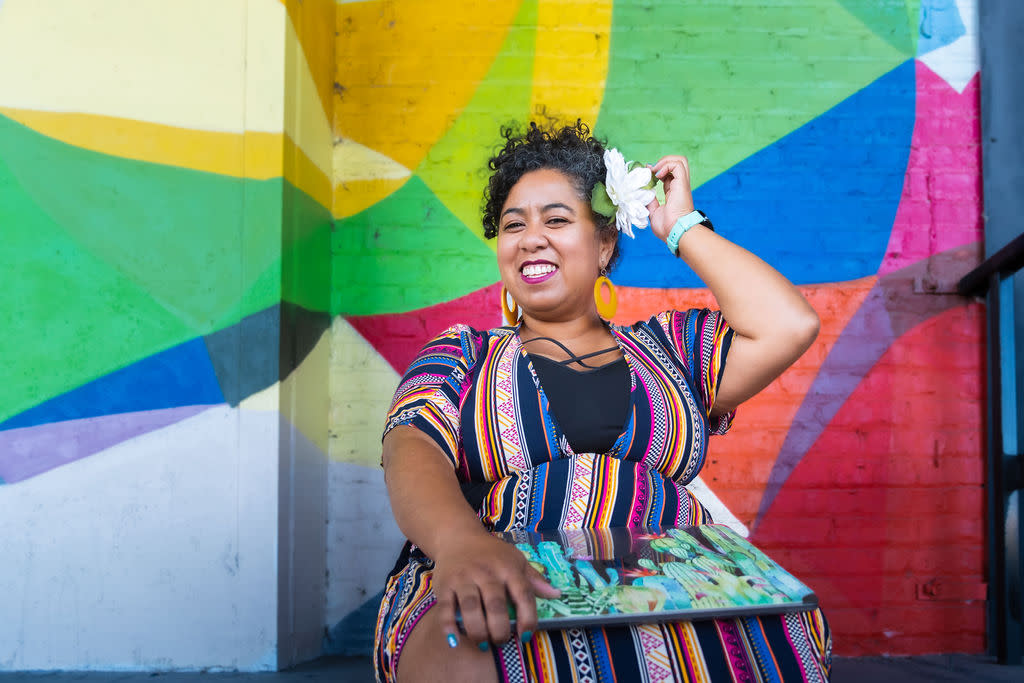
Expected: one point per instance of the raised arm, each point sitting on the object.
(472, 569)
(773, 323)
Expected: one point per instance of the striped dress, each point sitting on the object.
(477, 395)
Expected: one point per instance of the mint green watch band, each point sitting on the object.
(683, 224)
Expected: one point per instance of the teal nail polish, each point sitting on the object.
(452, 640)
(525, 636)
(483, 646)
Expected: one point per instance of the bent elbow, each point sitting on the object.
(808, 328)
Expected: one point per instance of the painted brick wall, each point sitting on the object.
(839, 140)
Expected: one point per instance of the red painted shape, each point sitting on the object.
(889, 500)
(941, 203)
(399, 337)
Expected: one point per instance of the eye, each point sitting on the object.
(557, 220)
(511, 226)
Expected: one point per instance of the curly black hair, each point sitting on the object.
(569, 149)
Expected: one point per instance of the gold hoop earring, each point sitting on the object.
(512, 313)
(605, 308)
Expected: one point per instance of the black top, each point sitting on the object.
(591, 406)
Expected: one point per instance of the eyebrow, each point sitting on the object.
(546, 207)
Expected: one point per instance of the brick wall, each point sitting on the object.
(837, 140)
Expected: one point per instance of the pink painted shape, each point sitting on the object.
(941, 203)
(29, 451)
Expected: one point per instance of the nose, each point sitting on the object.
(534, 235)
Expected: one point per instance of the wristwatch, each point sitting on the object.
(683, 224)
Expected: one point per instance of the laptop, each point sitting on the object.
(630, 575)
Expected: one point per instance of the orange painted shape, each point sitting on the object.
(313, 21)
(407, 69)
(739, 464)
(897, 477)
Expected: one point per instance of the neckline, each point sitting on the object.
(562, 440)
(584, 371)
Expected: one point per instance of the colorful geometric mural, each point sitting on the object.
(152, 223)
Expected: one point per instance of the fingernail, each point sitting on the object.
(452, 640)
(483, 646)
(525, 636)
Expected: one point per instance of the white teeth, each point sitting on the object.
(538, 269)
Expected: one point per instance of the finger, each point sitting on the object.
(667, 161)
(496, 608)
(523, 596)
(445, 607)
(651, 208)
(473, 620)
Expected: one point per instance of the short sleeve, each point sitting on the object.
(429, 395)
(702, 339)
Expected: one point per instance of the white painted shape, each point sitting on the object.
(363, 540)
(157, 554)
(362, 386)
(353, 161)
(302, 506)
(958, 62)
(719, 512)
(176, 63)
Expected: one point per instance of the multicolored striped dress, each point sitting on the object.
(477, 395)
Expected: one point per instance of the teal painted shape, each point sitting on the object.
(894, 22)
(194, 241)
(67, 317)
(406, 252)
(718, 82)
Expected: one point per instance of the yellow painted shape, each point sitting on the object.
(405, 70)
(353, 161)
(266, 401)
(304, 393)
(214, 66)
(305, 121)
(362, 385)
(363, 177)
(255, 155)
(313, 23)
(353, 196)
(570, 62)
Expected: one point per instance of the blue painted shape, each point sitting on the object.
(1007, 365)
(180, 376)
(353, 635)
(818, 204)
(940, 25)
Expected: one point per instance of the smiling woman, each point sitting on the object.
(563, 420)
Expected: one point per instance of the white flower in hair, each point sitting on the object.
(626, 192)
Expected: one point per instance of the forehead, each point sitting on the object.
(542, 187)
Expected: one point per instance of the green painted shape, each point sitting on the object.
(406, 252)
(67, 316)
(718, 82)
(306, 232)
(894, 22)
(455, 169)
(195, 241)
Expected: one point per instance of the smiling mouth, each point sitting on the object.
(535, 273)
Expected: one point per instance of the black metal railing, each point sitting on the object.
(994, 279)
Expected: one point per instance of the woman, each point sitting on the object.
(564, 420)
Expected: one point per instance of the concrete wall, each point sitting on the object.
(837, 139)
(165, 259)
